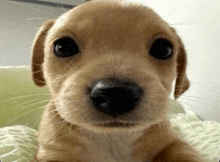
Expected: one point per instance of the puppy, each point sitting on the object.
(109, 67)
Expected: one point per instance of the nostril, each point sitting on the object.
(115, 98)
(101, 101)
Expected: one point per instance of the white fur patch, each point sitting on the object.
(112, 146)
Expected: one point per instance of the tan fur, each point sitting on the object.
(114, 40)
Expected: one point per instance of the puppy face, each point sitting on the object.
(109, 42)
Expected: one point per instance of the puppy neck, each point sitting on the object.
(113, 146)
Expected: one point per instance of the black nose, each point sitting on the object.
(115, 98)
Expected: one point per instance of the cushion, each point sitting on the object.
(17, 143)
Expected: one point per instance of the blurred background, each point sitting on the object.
(196, 21)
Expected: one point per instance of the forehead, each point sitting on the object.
(111, 21)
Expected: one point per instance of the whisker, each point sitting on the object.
(59, 6)
(197, 97)
(200, 82)
(36, 64)
(9, 122)
(189, 22)
(37, 71)
(195, 101)
(30, 105)
(61, 124)
(181, 23)
(170, 12)
(57, 80)
(38, 80)
(56, 114)
(37, 18)
(30, 101)
(24, 96)
(66, 63)
(32, 8)
(185, 102)
(36, 122)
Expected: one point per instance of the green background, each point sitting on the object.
(21, 101)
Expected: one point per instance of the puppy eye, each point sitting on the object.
(65, 47)
(161, 49)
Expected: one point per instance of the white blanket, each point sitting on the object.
(17, 143)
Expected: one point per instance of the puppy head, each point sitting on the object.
(99, 43)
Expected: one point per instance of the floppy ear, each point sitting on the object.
(182, 82)
(38, 53)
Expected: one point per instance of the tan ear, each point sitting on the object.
(182, 82)
(38, 53)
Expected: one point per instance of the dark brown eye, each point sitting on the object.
(65, 47)
(161, 49)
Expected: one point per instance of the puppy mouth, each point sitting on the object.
(116, 124)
